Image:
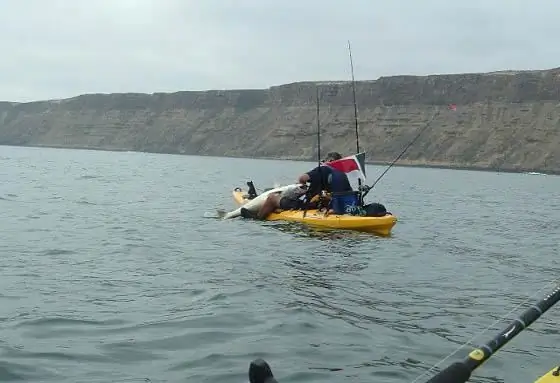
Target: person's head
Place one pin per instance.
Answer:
(332, 156)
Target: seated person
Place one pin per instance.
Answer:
(320, 178)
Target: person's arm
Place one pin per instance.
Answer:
(304, 178)
(307, 177)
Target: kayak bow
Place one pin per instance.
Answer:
(553, 376)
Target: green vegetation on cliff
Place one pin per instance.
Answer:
(504, 120)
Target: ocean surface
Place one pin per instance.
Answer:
(114, 268)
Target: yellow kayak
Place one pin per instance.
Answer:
(375, 225)
(553, 376)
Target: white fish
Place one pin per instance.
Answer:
(256, 203)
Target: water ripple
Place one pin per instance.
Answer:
(112, 273)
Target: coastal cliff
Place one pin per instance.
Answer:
(503, 121)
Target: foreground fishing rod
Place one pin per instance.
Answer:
(458, 372)
(367, 188)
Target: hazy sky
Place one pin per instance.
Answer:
(62, 48)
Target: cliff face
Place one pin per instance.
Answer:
(504, 120)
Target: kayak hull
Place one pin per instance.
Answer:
(375, 225)
(553, 376)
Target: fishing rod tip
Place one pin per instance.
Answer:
(260, 372)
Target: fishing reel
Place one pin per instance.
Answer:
(364, 188)
(322, 201)
(252, 192)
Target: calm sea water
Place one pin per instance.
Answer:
(114, 269)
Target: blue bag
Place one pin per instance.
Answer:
(345, 202)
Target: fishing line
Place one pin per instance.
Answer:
(403, 152)
(486, 329)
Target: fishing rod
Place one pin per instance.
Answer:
(428, 124)
(320, 201)
(361, 196)
(318, 149)
(318, 131)
(458, 372)
(354, 99)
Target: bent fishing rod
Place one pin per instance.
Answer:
(458, 372)
(367, 188)
(364, 190)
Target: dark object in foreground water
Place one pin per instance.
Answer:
(260, 372)
(458, 372)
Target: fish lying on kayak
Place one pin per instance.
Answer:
(254, 204)
(376, 220)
